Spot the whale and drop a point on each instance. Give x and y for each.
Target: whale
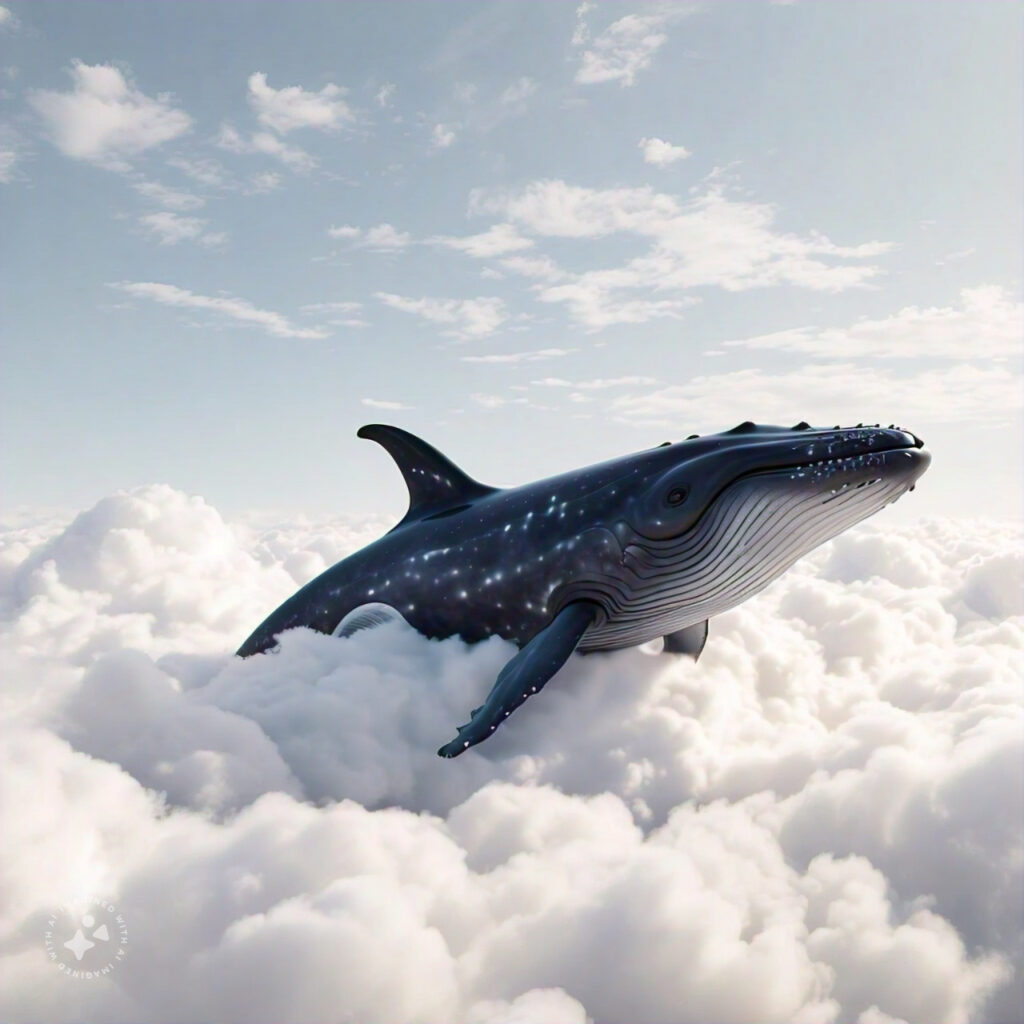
(643, 546)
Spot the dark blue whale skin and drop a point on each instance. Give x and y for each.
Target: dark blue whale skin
(613, 555)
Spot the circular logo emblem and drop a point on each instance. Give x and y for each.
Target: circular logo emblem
(87, 941)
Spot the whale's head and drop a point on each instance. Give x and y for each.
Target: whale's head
(820, 481)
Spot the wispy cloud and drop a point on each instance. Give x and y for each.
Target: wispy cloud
(171, 228)
(380, 238)
(379, 403)
(518, 92)
(105, 118)
(228, 306)
(535, 356)
(173, 198)
(626, 47)
(338, 314)
(987, 324)
(496, 241)
(465, 318)
(204, 170)
(599, 384)
(711, 239)
(266, 144)
(385, 94)
(828, 393)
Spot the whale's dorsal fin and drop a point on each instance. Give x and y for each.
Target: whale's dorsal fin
(436, 485)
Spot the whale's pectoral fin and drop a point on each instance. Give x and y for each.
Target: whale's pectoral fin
(525, 674)
(689, 641)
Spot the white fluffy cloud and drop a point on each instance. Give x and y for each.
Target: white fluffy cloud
(105, 118)
(465, 318)
(224, 305)
(661, 153)
(284, 110)
(820, 821)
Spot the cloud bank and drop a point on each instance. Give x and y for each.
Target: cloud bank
(819, 822)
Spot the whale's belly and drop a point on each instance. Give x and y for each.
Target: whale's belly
(744, 542)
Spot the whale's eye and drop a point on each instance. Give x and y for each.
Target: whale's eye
(677, 495)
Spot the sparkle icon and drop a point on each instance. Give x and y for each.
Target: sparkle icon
(79, 944)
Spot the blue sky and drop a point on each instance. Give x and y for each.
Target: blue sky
(539, 235)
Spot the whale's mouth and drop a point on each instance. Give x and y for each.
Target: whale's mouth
(850, 453)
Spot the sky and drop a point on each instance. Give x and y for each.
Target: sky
(538, 235)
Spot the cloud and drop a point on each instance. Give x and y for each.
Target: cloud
(233, 308)
(284, 110)
(7, 18)
(385, 94)
(518, 92)
(260, 184)
(711, 239)
(542, 267)
(172, 198)
(205, 171)
(600, 384)
(385, 238)
(829, 392)
(467, 318)
(496, 241)
(332, 307)
(105, 119)
(595, 306)
(8, 160)
(266, 144)
(378, 403)
(662, 153)
(442, 136)
(534, 356)
(171, 228)
(13, 150)
(338, 314)
(988, 324)
(820, 820)
(625, 48)
(344, 231)
(381, 238)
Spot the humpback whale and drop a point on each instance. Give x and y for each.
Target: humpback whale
(613, 555)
